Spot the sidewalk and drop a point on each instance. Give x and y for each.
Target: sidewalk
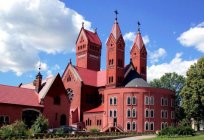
(138, 137)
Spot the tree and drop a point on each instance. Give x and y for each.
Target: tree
(193, 92)
(40, 125)
(174, 82)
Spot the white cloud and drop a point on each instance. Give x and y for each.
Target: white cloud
(32, 26)
(175, 65)
(49, 74)
(130, 36)
(194, 37)
(154, 56)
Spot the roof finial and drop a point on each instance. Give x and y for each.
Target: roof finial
(116, 15)
(95, 30)
(70, 61)
(138, 25)
(39, 66)
(82, 24)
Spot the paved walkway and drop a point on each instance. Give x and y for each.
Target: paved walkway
(138, 137)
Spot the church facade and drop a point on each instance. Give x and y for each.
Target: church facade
(118, 98)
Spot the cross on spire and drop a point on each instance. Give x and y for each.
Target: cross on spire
(39, 66)
(116, 14)
(138, 25)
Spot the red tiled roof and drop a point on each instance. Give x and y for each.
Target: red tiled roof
(92, 37)
(98, 109)
(92, 78)
(18, 96)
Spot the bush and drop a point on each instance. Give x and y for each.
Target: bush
(94, 130)
(16, 129)
(40, 125)
(180, 131)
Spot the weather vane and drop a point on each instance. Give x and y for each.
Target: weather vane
(116, 14)
(39, 66)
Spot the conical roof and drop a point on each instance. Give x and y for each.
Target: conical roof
(116, 30)
(139, 41)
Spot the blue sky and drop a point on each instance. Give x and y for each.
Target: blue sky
(45, 31)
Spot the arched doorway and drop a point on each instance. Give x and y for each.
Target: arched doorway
(63, 119)
(29, 117)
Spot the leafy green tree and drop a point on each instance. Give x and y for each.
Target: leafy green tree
(193, 92)
(40, 125)
(174, 82)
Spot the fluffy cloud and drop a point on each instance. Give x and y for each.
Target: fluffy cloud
(194, 37)
(154, 56)
(130, 36)
(175, 65)
(32, 26)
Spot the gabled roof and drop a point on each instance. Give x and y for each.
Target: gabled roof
(91, 36)
(18, 96)
(132, 78)
(46, 84)
(116, 32)
(96, 110)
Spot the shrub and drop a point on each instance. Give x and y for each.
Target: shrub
(94, 130)
(40, 125)
(14, 130)
(181, 130)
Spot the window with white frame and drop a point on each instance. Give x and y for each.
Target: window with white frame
(166, 124)
(146, 112)
(134, 100)
(172, 115)
(146, 125)
(128, 113)
(133, 125)
(162, 125)
(162, 101)
(151, 125)
(128, 126)
(146, 100)
(152, 113)
(134, 113)
(4, 120)
(110, 113)
(115, 113)
(166, 114)
(166, 102)
(111, 101)
(115, 101)
(162, 113)
(151, 100)
(128, 101)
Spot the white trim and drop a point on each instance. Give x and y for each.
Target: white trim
(135, 100)
(130, 113)
(135, 125)
(135, 113)
(27, 109)
(127, 125)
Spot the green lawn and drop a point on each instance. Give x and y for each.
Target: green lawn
(197, 137)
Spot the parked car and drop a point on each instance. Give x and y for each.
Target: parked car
(64, 129)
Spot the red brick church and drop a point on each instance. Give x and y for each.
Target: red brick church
(115, 99)
(118, 98)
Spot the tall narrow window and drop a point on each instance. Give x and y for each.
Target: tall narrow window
(133, 125)
(151, 100)
(151, 125)
(115, 113)
(134, 113)
(146, 126)
(128, 113)
(162, 101)
(128, 126)
(146, 113)
(115, 100)
(128, 101)
(152, 113)
(146, 100)
(110, 113)
(111, 101)
(134, 100)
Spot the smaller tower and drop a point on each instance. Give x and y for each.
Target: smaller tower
(38, 81)
(138, 55)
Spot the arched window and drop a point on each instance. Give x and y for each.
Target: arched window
(166, 114)
(133, 125)
(128, 101)
(162, 101)
(134, 100)
(152, 113)
(111, 101)
(146, 100)
(128, 113)
(162, 113)
(128, 126)
(115, 101)
(146, 113)
(151, 125)
(110, 113)
(166, 102)
(115, 113)
(146, 125)
(57, 100)
(134, 113)
(151, 100)
(162, 125)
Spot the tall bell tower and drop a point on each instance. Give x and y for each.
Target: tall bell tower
(138, 55)
(115, 58)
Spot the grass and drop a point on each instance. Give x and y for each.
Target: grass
(197, 137)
